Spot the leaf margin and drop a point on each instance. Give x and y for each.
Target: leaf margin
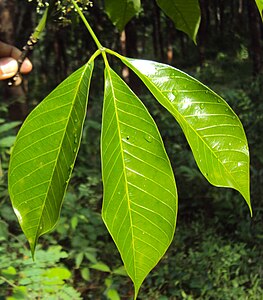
(136, 285)
(125, 60)
(185, 22)
(32, 242)
(129, 9)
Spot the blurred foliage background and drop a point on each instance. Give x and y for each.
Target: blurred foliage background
(217, 251)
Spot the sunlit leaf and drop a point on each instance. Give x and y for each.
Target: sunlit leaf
(260, 7)
(53, 276)
(214, 132)
(112, 294)
(185, 15)
(140, 198)
(10, 271)
(44, 154)
(121, 11)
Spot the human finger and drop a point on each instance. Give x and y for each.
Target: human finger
(7, 50)
(26, 66)
(8, 67)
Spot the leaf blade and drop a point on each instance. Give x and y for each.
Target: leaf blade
(44, 154)
(213, 131)
(260, 7)
(121, 11)
(130, 145)
(185, 15)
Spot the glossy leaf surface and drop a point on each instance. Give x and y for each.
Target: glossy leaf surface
(185, 15)
(44, 154)
(260, 7)
(121, 11)
(214, 132)
(140, 197)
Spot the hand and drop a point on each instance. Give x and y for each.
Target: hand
(8, 61)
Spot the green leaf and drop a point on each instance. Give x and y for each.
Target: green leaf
(10, 271)
(140, 197)
(260, 7)
(3, 230)
(79, 259)
(6, 127)
(44, 154)
(91, 257)
(85, 274)
(112, 294)
(120, 271)
(7, 141)
(121, 11)
(213, 131)
(185, 15)
(19, 293)
(100, 267)
(54, 276)
(74, 222)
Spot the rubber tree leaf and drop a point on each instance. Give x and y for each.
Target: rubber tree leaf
(213, 131)
(44, 154)
(260, 7)
(186, 15)
(121, 11)
(140, 197)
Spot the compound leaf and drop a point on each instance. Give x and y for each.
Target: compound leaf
(121, 11)
(185, 15)
(140, 197)
(213, 131)
(44, 154)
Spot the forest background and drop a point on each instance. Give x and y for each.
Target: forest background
(217, 249)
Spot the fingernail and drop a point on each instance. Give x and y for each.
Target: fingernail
(26, 66)
(8, 67)
(28, 63)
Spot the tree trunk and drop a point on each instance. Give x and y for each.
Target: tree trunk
(132, 51)
(255, 24)
(221, 16)
(202, 31)
(157, 34)
(125, 70)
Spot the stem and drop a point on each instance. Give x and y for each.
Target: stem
(9, 282)
(94, 55)
(97, 42)
(114, 53)
(105, 59)
(33, 39)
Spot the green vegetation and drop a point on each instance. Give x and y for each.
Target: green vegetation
(216, 250)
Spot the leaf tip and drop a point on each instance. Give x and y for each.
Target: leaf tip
(136, 291)
(250, 209)
(32, 249)
(247, 199)
(194, 40)
(33, 243)
(194, 34)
